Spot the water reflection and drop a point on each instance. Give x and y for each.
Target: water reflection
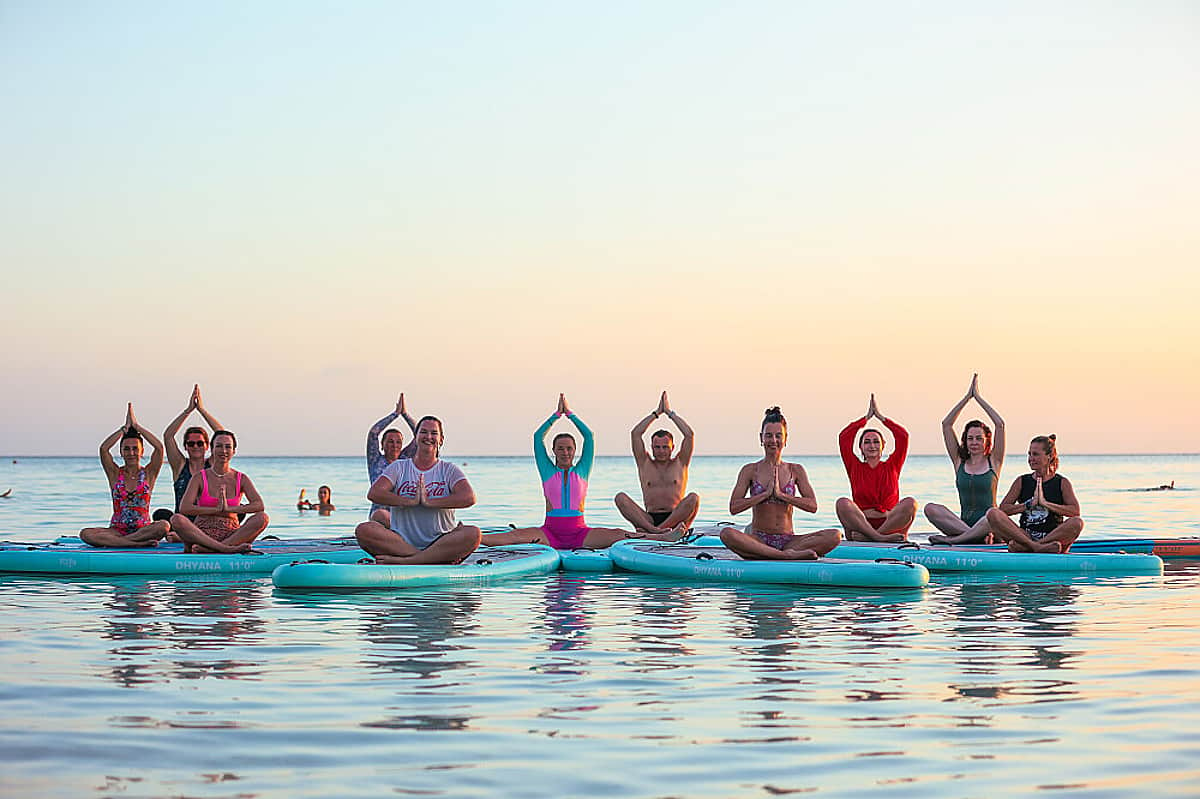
(150, 619)
(416, 636)
(1004, 629)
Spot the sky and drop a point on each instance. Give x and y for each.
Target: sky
(308, 207)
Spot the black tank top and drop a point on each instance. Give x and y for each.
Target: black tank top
(1039, 519)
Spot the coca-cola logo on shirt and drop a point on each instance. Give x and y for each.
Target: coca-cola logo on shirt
(408, 488)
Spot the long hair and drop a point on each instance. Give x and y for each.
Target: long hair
(987, 439)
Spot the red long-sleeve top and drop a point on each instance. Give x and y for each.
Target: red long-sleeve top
(877, 488)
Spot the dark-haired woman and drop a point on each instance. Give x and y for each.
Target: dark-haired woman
(131, 485)
(564, 486)
(774, 487)
(874, 510)
(194, 455)
(977, 460)
(1046, 501)
(208, 515)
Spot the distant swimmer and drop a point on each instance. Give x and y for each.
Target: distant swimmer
(977, 460)
(1046, 501)
(1164, 487)
(324, 504)
(874, 511)
(775, 487)
(663, 478)
(208, 518)
(564, 486)
(193, 458)
(6, 494)
(421, 493)
(393, 448)
(131, 485)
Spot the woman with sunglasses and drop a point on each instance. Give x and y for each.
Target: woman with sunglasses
(193, 458)
(130, 485)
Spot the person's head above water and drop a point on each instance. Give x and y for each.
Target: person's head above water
(323, 495)
(976, 440)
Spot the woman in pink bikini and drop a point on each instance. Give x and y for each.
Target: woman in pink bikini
(130, 485)
(774, 487)
(213, 499)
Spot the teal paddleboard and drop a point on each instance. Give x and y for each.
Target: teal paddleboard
(484, 565)
(585, 560)
(1000, 560)
(167, 558)
(693, 562)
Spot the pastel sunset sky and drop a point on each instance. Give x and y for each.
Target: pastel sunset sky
(308, 207)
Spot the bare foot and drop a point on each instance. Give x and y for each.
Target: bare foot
(799, 554)
(893, 538)
(393, 560)
(677, 533)
(1051, 547)
(938, 538)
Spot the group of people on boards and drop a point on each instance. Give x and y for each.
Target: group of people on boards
(415, 494)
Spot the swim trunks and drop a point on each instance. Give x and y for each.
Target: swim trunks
(659, 516)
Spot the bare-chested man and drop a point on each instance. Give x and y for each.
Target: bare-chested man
(663, 478)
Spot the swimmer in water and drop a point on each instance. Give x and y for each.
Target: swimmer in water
(131, 485)
(977, 461)
(874, 511)
(324, 504)
(1046, 501)
(772, 488)
(564, 486)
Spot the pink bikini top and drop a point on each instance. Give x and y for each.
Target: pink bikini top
(207, 500)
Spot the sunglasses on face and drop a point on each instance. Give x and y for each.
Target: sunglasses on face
(195, 443)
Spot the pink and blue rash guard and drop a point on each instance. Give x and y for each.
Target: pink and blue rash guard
(565, 489)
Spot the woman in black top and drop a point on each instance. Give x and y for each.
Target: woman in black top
(1046, 501)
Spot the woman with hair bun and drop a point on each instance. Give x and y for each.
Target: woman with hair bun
(1046, 501)
(774, 487)
(977, 460)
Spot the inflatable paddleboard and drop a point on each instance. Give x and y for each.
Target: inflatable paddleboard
(167, 558)
(1165, 548)
(585, 560)
(697, 562)
(484, 565)
(1001, 561)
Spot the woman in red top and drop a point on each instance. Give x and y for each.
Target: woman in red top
(876, 512)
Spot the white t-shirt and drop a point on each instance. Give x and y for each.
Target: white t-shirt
(421, 525)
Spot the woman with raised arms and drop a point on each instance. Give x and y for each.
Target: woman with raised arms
(131, 485)
(1046, 501)
(421, 494)
(393, 448)
(193, 458)
(874, 511)
(208, 515)
(977, 460)
(564, 486)
(774, 487)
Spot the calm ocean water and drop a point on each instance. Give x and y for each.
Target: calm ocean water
(600, 685)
